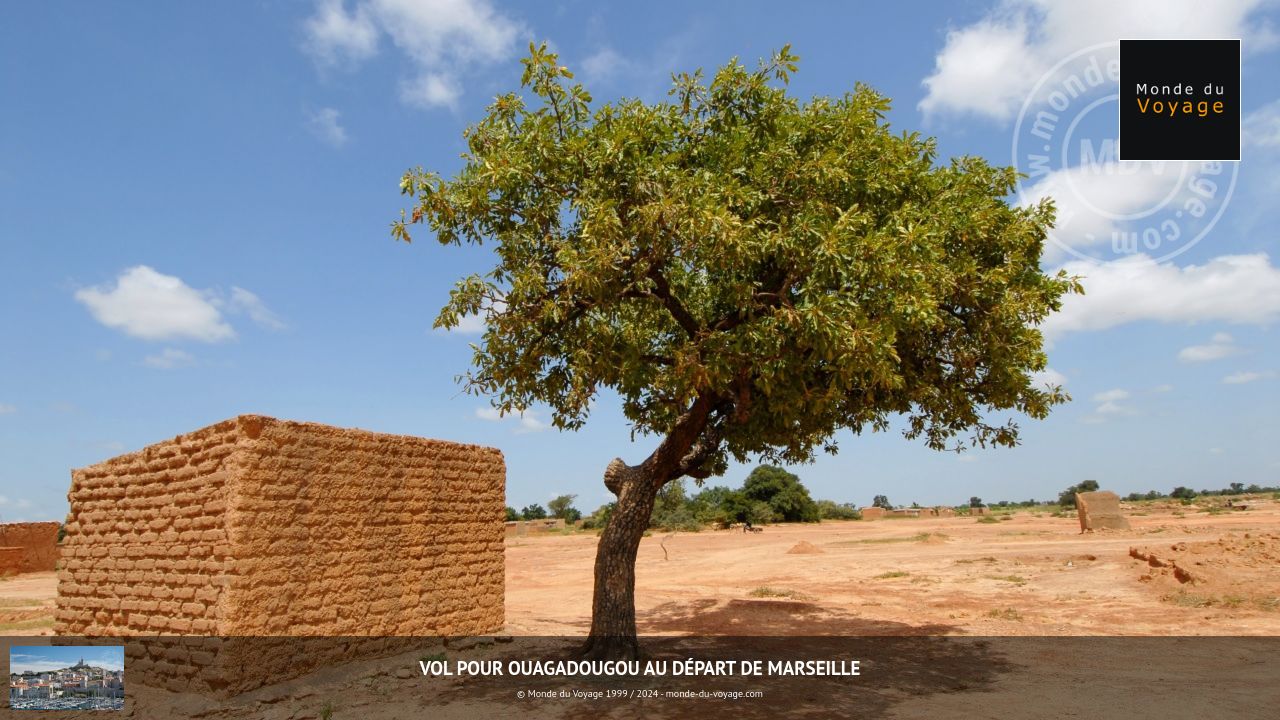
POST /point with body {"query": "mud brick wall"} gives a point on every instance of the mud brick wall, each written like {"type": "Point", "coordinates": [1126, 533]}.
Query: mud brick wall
{"type": "Point", "coordinates": [10, 560]}
{"type": "Point", "coordinates": [256, 526]}
{"type": "Point", "coordinates": [39, 541]}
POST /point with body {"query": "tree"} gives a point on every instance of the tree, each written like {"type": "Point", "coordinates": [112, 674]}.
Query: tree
{"type": "Point", "coordinates": [1067, 498]}
{"type": "Point", "coordinates": [882, 501]}
{"type": "Point", "coordinates": [512, 514]}
{"type": "Point", "coordinates": [975, 502]}
{"type": "Point", "coordinates": [788, 498]}
{"type": "Point", "coordinates": [747, 271]}
{"type": "Point", "coordinates": [533, 512]}
{"type": "Point", "coordinates": [1182, 493]}
{"type": "Point", "coordinates": [562, 507]}
{"type": "Point", "coordinates": [831, 510]}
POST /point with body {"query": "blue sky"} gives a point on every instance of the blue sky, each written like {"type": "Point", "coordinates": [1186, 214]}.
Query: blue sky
{"type": "Point", "coordinates": [195, 199]}
{"type": "Point", "coordinates": [39, 658]}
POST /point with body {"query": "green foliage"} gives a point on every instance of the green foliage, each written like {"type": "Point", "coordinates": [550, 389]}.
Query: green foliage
{"type": "Point", "coordinates": [673, 511]}
{"type": "Point", "coordinates": [512, 514]}
{"type": "Point", "coordinates": [792, 263]}
{"type": "Point", "coordinates": [533, 512]}
{"type": "Point", "coordinates": [562, 507]}
{"type": "Point", "coordinates": [787, 498]}
{"type": "Point", "coordinates": [882, 501]}
{"type": "Point", "coordinates": [830, 510]}
{"type": "Point", "coordinates": [598, 519]}
{"type": "Point", "coordinates": [1067, 498]}
{"type": "Point", "coordinates": [975, 502]}
{"type": "Point", "coordinates": [1183, 493]}
{"type": "Point", "coordinates": [759, 513]}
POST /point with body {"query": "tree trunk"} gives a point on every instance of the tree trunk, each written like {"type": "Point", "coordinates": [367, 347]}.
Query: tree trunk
{"type": "Point", "coordinates": [613, 607]}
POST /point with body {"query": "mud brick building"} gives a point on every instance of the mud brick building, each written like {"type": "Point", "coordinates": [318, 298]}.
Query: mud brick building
{"type": "Point", "coordinates": [38, 542]}
{"type": "Point", "coordinates": [256, 526]}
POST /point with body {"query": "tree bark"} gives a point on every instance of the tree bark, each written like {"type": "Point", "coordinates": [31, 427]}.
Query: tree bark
{"type": "Point", "coordinates": [613, 606]}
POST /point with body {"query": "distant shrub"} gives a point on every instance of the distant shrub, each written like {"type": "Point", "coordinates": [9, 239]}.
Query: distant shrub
{"type": "Point", "coordinates": [831, 510]}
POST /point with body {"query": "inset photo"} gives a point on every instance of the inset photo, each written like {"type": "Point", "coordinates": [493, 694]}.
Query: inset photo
{"type": "Point", "coordinates": [66, 677]}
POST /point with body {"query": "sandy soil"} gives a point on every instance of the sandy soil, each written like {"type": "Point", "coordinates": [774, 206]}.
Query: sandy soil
{"type": "Point", "coordinates": [1178, 571]}
{"type": "Point", "coordinates": [1029, 575]}
{"type": "Point", "coordinates": [1024, 576]}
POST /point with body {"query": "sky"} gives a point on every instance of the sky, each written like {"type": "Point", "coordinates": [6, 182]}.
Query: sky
{"type": "Point", "coordinates": [41, 658]}
{"type": "Point", "coordinates": [195, 202]}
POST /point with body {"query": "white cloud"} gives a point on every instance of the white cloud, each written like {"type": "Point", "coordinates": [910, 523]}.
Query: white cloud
{"type": "Point", "coordinates": [1220, 346]}
{"type": "Point", "coordinates": [988, 68]}
{"type": "Point", "coordinates": [1080, 194]}
{"type": "Point", "coordinates": [1111, 402]}
{"type": "Point", "coordinates": [527, 421]}
{"type": "Point", "coordinates": [152, 306]}
{"type": "Point", "coordinates": [1238, 289]}
{"type": "Point", "coordinates": [324, 124]}
{"type": "Point", "coordinates": [431, 90]}
{"type": "Point", "coordinates": [243, 301]}
{"type": "Point", "coordinates": [1243, 377]}
{"type": "Point", "coordinates": [441, 38]}
{"type": "Point", "coordinates": [1261, 128]}
{"type": "Point", "coordinates": [168, 359]}
{"type": "Point", "coordinates": [6, 409]}
{"type": "Point", "coordinates": [334, 35]}
{"type": "Point", "coordinates": [1047, 379]}
{"type": "Point", "coordinates": [603, 65]}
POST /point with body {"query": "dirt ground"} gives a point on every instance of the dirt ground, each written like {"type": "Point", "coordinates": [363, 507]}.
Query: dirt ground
{"type": "Point", "coordinates": [1178, 572]}
{"type": "Point", "coordinates": [1027, 575]}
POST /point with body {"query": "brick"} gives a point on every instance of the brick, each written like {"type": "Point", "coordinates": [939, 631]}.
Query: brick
{"type": "Point", "coordinates": [274, 527]}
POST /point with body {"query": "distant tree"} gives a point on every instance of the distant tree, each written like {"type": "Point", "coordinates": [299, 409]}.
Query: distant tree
{"type": "Point", "coordinates": [759, 513]}
{"type": "Point", "coordinates": [915, 505]}
{"type": "Point", "coordinates": [1183, 493]}
{"type": "Point", "coordinates": [783, 491]}
{"type": "Point", "coordinates": [831, 510]}
{"type": "Point", "coordinates": [751, 271]}
{"type": "Point", "coordinates": [562, 507]}
{"type": "Point", "coordinates": [672, 510]}
{"type": "Point", "coordinates": [1067, 498]}
{"type": "Point", "coordinates": [882, 501]}
{"type": "Point", "coordinates": [975, 502]}
{"type": "Point", "coordinates": [512, 514]}
{"type": "Point", "coordinates": [1237, 488]}
{"type": "Point", "coordinates": [598, 519]}
{"type": "Point", "coordinates": [533, 512]}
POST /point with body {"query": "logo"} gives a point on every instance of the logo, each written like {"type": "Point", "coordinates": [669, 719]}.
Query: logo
{"type": "Point", "coordinates": [1067, 145]}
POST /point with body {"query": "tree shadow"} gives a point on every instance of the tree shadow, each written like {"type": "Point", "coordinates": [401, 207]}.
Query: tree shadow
{"type": "Point", "coordinates": [898, 661]}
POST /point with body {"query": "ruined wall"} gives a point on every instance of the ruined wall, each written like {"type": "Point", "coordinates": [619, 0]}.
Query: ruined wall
{"type": "Point", "coordinates": [1100, 510]}
{"type": "Point", "coordinates": [38, 540]}
{"type": "Point", "coordinates": [256, 526]}
{"type": "Point", "coordinates": [10, 560]}
{"type": "Point", "coordinates": [872, 513]}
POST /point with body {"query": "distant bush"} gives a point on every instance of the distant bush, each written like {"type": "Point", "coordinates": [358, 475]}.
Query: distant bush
{"type": "Point", "coordinates": [598, 519]}
{"type": "Point", "coordinates": [830, 510]}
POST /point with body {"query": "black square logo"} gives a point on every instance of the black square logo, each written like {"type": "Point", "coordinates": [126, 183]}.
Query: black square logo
{"type": "Point", "coordinates": [1179, 99]}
